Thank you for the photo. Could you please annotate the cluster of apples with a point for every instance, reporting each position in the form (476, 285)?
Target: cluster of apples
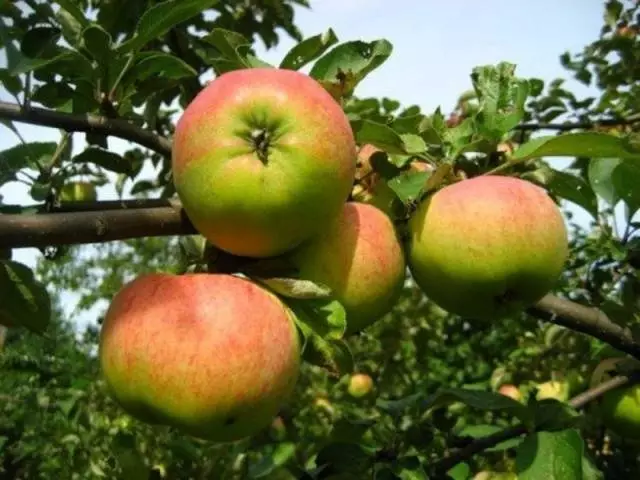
(264, 162)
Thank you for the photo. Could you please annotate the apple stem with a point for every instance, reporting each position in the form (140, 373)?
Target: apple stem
(260, 139)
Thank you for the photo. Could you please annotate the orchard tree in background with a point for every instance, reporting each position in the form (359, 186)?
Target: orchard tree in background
(299, 283)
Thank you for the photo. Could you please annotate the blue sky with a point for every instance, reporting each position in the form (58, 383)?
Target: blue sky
(436, 45)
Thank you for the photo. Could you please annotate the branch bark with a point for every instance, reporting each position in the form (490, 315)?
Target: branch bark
(86, 123)
(78, 227)
(481, 444)
(589, 320)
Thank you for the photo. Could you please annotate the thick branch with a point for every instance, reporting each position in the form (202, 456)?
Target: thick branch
(86, 123)
(47, 229)
(481, 444)
(589, 320)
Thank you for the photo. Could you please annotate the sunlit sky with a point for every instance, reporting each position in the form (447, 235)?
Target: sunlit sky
(436, 45)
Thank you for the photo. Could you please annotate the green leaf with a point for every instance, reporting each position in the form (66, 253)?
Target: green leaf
(11, 83)
(24, 302)
(582, 144)
(159, 19)
(550, 455)
(69, 63)
(232, 50)
(600, 173)
(501, 97)
(295, 287)
(152, 64)
(106, 159)
(552, 414)
(387, 139)
(409, 185)
(479, 399)
(344, 458)
(98, 42)
(613, 9)
(573, 188)
(25, 155)
(271, 461)
(341, 69)
(460, 472)
(323, 317)
(479, 431)
(399, 406)
(589, 470)
(53, 95)
(71, 26)
(38, 41)
(72, 9)
(308, 50)
(332, 355)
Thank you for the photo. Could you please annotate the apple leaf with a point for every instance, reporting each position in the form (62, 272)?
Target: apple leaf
(479, 399)
(151, 64)
(616, 179)
(573, 188)
(308, 50)
(409, 185)
(106, 159)
(332, 355)
(342, 68)
(23, 300)
(386, 138)
(461, 471)
(552, 414)
(160, 18)
(232, 51)
(99, 43)
(295, 287)
(323, 317)
(479, 431)
(550, 455)
(269, 463)
(501, 98)
(25, 155)
(600, 174)
(582, 144)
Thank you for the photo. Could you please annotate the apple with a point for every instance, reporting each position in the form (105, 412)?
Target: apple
(263, 159)
(324, 404)
(360, 385)
(619, 409)
(553, 389)
(372, 187)
(360, 258)
(511, 391)
(212, 355)
(487, 247)
(78, 192)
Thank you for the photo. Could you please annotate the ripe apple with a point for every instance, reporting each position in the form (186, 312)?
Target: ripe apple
(372, 187)
(487, 247)
(553, 389)
(263, 159)
(360, 385)
(78, 192)
(212, 355)
(511, 391)
(360, 257)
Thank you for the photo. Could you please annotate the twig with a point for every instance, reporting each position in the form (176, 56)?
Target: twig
(481, 444)
(607, 122)
(589, 320)
(87, 123)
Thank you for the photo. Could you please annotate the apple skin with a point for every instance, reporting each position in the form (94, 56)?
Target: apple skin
(78, 192)
(257, 197)
(553, 389)
(360, 257)
(212, 355)
(511, 391)
(360, 385)
(487, 247)
(373, 189)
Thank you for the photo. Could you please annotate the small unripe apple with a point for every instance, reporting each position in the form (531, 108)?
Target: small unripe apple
(553, 389)
(511, 391)
(360, 385)
(78, 192)
(278, 429)
(487, 247)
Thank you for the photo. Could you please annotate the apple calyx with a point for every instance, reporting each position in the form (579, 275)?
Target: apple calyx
(261, 141)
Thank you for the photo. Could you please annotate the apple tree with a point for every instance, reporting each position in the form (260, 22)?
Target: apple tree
(291, 281)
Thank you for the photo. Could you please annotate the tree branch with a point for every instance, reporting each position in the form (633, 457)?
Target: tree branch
(87, 123)
(481, 444)
(77, 227)
(589, 320)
